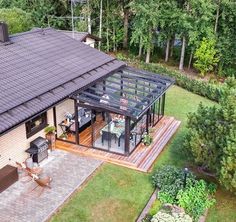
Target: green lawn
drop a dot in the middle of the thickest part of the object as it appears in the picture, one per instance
(119, 194)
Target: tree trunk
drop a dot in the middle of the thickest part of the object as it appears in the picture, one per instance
(114, 38)
(108, 42)
(167, 49)
(172, 42)
(89, 19)
(100, 25)
(190, 60)
(217, 16)
(107, 30)
(140, 48)
(149, 46)
(126, 26)
(148, 54)
(72, 20)
(181, 63)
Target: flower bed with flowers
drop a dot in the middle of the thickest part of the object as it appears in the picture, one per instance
(181, 197)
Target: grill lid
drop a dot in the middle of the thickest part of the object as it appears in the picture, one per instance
(38, 145)
(38, 142)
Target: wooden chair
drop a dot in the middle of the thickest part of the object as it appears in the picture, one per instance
(30, 172)
(43, 183)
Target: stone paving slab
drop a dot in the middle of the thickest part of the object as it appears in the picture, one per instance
(20, 204)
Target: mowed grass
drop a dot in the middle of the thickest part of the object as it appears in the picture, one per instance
(114, 194)
(117, 194)
(225, 208)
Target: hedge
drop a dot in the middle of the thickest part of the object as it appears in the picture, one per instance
(211, 91)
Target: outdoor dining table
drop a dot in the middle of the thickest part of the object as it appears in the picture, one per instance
(117, 129)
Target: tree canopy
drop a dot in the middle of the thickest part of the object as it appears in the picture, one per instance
(17, 19)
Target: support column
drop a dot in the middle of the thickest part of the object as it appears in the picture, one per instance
(104, 85)
(127, 135)
(93, 113)
(76, 122)
(121, 85)
(147, 120)
(55, 119)
(163, 104)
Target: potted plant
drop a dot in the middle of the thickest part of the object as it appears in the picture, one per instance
(50, 136)
(147, 139)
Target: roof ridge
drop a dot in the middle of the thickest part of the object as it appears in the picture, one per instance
(33, 30)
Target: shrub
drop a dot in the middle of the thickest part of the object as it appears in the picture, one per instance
(156, 206)
(195, 198)
(210, 90)
(206, 56)
(211, 138)
(169, 180)
(147, 218)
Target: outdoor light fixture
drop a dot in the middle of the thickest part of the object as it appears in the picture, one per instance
(185, 176)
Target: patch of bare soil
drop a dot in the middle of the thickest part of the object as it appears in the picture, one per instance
(111, 208)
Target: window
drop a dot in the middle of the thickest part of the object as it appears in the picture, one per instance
(35, 125)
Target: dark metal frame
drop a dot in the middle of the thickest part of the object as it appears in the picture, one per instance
(124, 78)
(117, 86)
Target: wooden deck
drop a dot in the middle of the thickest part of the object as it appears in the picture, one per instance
(142, 158)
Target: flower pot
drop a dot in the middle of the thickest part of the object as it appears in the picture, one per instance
(51, 140)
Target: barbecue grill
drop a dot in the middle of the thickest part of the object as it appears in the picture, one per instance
(38, 149)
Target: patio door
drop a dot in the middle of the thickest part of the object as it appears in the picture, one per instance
(101, 131)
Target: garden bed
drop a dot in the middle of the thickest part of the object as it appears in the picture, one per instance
(181, 196)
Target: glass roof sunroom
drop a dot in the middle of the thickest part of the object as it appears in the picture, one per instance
(128, 92)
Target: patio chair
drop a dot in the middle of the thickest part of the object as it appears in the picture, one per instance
(43, 183)
(107, 136)
(30, 172)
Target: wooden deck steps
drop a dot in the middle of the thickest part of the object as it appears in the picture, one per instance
(142, 158)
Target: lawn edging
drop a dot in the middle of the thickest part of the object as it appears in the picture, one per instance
(147, 207)
(78, 188)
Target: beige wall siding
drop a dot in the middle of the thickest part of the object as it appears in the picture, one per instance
(61, 110)
(14, 143)
(90, 42)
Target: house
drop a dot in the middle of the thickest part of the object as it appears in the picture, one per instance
(93, 100)
(84, 37)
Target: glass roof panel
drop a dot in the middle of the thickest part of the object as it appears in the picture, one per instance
(129, 91)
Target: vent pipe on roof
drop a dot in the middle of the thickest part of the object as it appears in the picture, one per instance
(4, 36)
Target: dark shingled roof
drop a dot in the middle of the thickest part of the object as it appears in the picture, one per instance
(42, 67)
